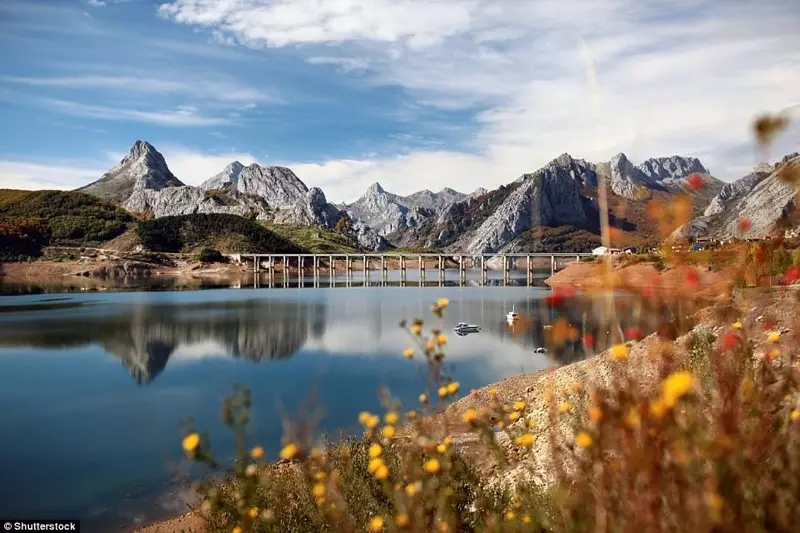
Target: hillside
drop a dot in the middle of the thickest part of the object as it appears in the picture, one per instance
(316, 240)
(30, 220)
(226, 233)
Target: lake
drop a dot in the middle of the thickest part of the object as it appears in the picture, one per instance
(95, 385)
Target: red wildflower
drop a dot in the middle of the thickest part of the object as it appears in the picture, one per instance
(695, 181)
(588, 340)
(791, 275)
(744, 224)
(559, 294)
(632, 332)
(729, 340)
(692, 278)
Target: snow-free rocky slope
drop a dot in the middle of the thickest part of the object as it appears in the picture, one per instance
(763, 197)
(388, 213)
(143, 168)
(560, 197)
(143, 183)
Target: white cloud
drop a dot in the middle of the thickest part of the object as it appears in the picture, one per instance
(32, 176)
(188, 86)
(345, 64)
(592, 78)
(193, 167)
(183, 116)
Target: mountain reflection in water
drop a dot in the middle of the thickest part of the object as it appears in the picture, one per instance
(145, 337)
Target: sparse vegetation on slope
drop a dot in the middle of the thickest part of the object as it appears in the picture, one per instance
(226, 233)
(315, 239)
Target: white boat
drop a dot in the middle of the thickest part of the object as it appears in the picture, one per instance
(462, 328)
(512, 315)
(540, 350)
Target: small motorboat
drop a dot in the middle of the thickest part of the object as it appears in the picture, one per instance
(512, 315)
(540, 349)
(462, 328)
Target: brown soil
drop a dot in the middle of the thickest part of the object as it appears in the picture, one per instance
(679, 282)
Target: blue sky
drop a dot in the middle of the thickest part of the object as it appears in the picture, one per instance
(414, 94)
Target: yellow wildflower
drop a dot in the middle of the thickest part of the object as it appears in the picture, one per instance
(657, 408)
(510, 515)
(469, 416)
(375, 450)
(795, 414)
(441, 339)
(408, 352)
(595, 414)
(374, 465)
(391, 418)
(526, 519)
(430, 346)
(413, 488)
(526, 440)
(411, 414)
(252, 512)
(773, 336)
(320, 476)
(452, 387)
(289, 451)
(423, 398)
(375, 524)
(448, 440)
(402, 521)
(257, 453)
(432, 466)
(675, 386)
(441, 448)
(382, 472)
(388, 431)
(363, 417)
(493, 391)
(372, 422)
(737, 325)
(564, 407)
(191, 442)
(473, 393)
(583, 439)
(519, 405)
(619, 352)
(632, 418)
(237, 529)
(318, 490)
(443, 302)
(513, 416)
(442, 392)
(531, 423)
(416, 329)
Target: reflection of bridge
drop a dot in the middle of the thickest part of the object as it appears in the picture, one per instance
(366, 263)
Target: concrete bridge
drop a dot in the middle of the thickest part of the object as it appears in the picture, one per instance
(347, 264)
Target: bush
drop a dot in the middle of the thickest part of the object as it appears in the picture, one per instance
(210, 255)
(181, 233)
(713, 447)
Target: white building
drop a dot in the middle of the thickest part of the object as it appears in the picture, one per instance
(605, 250)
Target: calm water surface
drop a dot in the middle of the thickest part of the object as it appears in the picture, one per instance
(94, 386)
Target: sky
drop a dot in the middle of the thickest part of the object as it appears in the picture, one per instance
(414, 94)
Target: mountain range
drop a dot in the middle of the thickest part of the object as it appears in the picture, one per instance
(554, 208)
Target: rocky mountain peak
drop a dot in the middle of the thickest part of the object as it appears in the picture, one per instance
(229, 175)
(143, 168)
(374, 189)
(673, 167)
